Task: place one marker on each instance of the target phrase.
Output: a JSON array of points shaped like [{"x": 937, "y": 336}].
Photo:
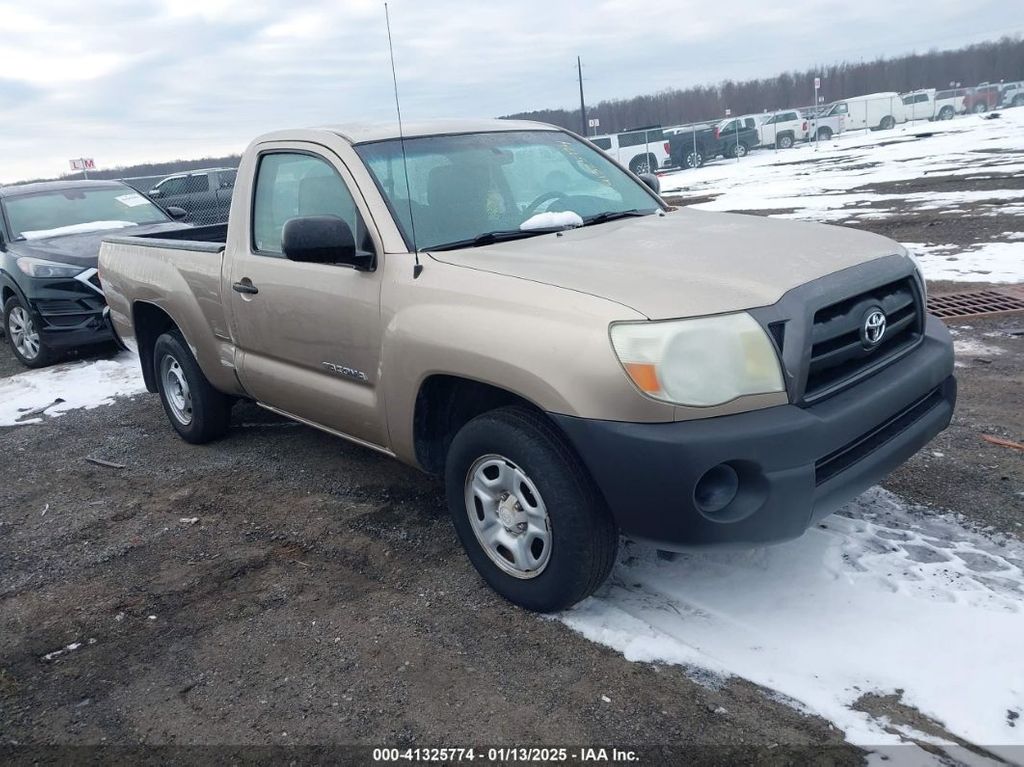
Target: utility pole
[{"x": 583, "y": 106}]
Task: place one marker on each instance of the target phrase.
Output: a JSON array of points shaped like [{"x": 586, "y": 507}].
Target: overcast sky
[{"x": 128, "y": 81}]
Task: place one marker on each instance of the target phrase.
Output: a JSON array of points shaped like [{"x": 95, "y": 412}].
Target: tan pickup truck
[{"x": 501, "y": 304}]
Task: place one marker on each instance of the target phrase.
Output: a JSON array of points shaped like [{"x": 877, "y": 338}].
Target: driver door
[{"x": 308, "y": 335}]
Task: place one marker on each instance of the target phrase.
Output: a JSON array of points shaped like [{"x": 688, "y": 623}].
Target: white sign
[
  {"x": 83, "y": 163},
  {"x": 817, "y": 82},
  {"x": 593, "y": 122},
  {"x": 728, "y": 112}
]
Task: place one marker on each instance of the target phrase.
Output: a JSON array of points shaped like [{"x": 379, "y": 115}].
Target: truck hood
[
  {"x": 685, "y": 263},
  {"x": 81, "y": 249}
]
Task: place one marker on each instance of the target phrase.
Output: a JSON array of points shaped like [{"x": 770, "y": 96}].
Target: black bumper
[
  {"x": 789, "y": 466},
  {"x": 67, "y": 313}
]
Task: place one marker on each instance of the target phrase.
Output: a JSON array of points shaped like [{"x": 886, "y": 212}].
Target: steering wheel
[{"x": 532, "y": 207}]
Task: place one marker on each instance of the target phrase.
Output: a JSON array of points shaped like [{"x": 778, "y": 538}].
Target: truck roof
[
  {"x": 16, "y": 190},
  {"x": 362, "y": 133}
]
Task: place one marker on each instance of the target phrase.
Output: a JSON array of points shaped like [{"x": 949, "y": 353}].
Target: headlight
[
  {"x": 37, "y": 267},
  {"x": 699, "y": 362}
]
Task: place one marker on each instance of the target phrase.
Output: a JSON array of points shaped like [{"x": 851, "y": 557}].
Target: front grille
[
  {"x": 843, "y": 458},
  {"x": 94, "y": 280},
  {"x": 839, "y": 354}
]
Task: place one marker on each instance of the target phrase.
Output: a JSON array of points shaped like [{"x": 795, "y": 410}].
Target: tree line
[{"x": 994, "y": 61}]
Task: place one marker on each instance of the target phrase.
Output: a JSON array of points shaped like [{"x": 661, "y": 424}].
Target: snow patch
[
  {"x": 551, "y": 220},
  {"x": 91, "y": 226},
  {"x": 880, "y": 597},
  {"x": 86, "y": 384}
]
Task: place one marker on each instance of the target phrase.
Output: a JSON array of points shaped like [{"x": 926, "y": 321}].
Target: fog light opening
[{"x": 716, "y": 489}]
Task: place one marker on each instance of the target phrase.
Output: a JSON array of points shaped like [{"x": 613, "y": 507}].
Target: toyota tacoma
[{"x": 502, "y": 305}]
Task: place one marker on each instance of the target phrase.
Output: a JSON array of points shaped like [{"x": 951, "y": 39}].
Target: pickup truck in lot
[
  {"x": 502, "y": 305},
  {"x": 729, "y": 138}
]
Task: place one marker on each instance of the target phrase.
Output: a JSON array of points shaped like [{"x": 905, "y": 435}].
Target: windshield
[
  {"x": 68, "y": 211},
  {"x": 469, "y": 185}
]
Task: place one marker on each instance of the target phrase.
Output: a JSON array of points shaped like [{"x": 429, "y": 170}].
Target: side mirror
[
  {"x": 322, "y": 240},
  {"x": 176, "y": 213},
  {"x": 154, "y": 193},
  {"x": 652, "y": 181}
]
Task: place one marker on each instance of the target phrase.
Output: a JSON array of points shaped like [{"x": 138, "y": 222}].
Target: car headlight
[
  {"x": 37, "y": 267},
  {"x": 699, "y": 362}
]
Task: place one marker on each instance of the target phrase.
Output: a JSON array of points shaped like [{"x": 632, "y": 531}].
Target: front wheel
[
  {"x": 643, "y": 164},
  {"x": 824, "y": 134},
  {"x": 946, "y": 113},
  {"x": 785, "y": 141},
  {"x": 23, "y": 335},
  {"x": 740, "y": 150},
  {"x": 526, "y": 511},
  {"x": 888, "y": 123},
  {"x": 980, "y": 107},
  {"x": 197, "y": 411},
  {"x": 694, "y": 159}
]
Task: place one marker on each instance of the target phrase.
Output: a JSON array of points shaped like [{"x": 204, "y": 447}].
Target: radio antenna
[{"x": 417, "y": 268}]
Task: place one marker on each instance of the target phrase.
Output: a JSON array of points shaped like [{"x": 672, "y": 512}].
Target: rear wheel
[
  {"x": 946, "y": 113},
  {"x": 1018, "y": 100},
  {"x": 694, "y": 158},
  {"x": 23, "y": 334},
  {"x": 980, "y": 107},
  {"x": 526, "y": 511},
  {"x": 644, "y": 163},
  {"x": 785, "y": 141},
  {"x": 197, "y": 411}
]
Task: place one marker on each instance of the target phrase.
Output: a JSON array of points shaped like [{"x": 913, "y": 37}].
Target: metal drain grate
[{"x": 981, "y": 302}]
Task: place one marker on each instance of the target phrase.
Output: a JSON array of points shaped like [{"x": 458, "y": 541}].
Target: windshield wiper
[
  {"x": 489, "y": 238},
  {"x": 614, "y": 215}
]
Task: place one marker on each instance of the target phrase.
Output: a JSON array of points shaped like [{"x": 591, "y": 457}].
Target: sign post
[
  {"x": 817, "y": 84},
  {"x": 84, "y": 164}
]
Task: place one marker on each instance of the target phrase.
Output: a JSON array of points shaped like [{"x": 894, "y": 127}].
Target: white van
[
  {"x": 642, "y": 151},
  {"x": 876, "y": 111}
]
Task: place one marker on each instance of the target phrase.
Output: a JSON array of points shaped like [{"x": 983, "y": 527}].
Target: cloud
[{"x": 131, "y": 80}]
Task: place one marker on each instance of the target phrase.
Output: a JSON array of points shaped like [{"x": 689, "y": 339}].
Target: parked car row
[{"x": 644, "y": 150}]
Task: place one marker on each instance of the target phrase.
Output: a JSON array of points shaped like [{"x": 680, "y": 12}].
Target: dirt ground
[{"x": 284, "y": 587}]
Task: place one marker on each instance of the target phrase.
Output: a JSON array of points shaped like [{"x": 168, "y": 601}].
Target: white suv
[
  {"x": 783, "y": 129},
  {"x": 642, "y": 151}
]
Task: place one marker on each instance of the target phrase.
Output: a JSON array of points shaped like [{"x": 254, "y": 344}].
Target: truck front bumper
[{"x": 767, "y": 475}]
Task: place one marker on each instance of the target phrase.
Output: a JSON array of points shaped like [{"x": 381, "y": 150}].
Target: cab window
[{"x": 291, "y": 184}]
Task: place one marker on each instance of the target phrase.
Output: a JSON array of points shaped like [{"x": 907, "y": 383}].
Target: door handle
[{"x": 245, "y": 286}]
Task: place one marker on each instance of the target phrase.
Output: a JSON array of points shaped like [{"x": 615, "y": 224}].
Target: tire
[
  {"x": 824, "y": 134},
  {"x": 980, "y": 107},
  {"x": 694, "y": 158},
  {"x": 644, "y": 163},
  {"x": 23, "y": 336},
  {"x": 197, "y": 411},
  {"x": 1018, "y": 100},
  {"x": 946, "y": 113},
  {"x": 888, "y": 123},
  {"x": 565, "y": 548},
  {"x": 785, "y": 141},
  {"x": 740, "y": 150}
]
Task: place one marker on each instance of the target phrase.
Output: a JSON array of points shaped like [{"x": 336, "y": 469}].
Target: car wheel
[
  {"x": 1018, "y": 100},
  {"x": 23, "y": 335},
  {"x": 527, "y": 513},
  {"x": 641, "y": 164},
  {"x": 740, "y": 150},
  {"x": 785, "y": 141},
  {"x": 824, "y": 134},
  {"x": 888, "y": 123},
  {"x": 197, "y": 411},
  {"x": 980, "y": 107},
  {"x": 694, "y": 158},
  {"x": 946, "y": 113}
]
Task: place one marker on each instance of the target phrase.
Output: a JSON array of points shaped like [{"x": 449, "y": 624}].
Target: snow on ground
[
  {"x": 827, "y": 184},
  {"x": 85, "y": 384},
  {"x": 880, "y": 598}
]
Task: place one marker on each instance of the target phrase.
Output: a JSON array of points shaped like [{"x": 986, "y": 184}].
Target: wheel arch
[
  {"x": 150, "y": 322},
  {"x": 445, "y": 403}
]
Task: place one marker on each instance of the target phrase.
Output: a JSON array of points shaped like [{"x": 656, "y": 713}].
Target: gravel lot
[{"x": 284, "y": 587}]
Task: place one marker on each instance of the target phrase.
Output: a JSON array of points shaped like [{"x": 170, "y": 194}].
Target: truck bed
[{"x": 208, "y": 239}]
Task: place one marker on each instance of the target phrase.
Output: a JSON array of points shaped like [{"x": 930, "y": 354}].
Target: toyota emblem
[{"x": 874, "y": 327}]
